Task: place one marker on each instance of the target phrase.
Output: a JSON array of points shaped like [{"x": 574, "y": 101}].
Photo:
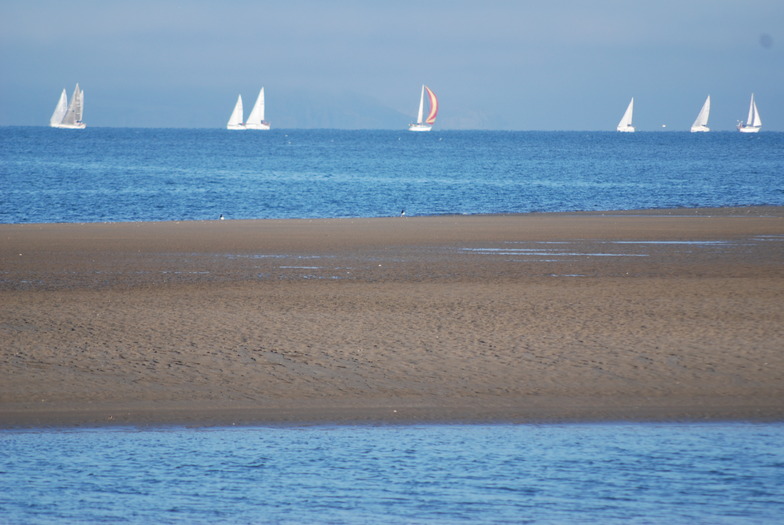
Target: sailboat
[
  {"x": 69, "y": 116},
  {"x": 701, "y": 123},
  {"x": 235, "y": 120},
  {"x": 427, "y": 124},
  {"x": 625, "y": 124},
  {"x": 256, "y": 117},
  {"x": 753, "y": 122}
]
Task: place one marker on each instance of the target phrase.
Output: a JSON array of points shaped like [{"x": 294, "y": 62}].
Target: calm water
[
  {"x": 586, "y": 473},
  {"x": 114, "y": 174}
]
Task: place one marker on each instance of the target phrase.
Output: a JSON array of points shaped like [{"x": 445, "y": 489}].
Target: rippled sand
[{"x": 674, "y": 314}]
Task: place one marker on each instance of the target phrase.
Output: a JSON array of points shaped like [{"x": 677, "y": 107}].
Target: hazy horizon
[{"x": 508, "y": 65}]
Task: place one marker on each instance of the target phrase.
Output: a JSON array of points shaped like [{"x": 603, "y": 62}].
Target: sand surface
[{"x": 663, "y": 315}]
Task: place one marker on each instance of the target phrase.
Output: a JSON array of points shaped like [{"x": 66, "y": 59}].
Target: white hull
[
  {"x": 700, "y": 129},
  {"x": 263, "y": 126},
  {"x": 235, "y": 126},
  {"x": 626, "y": 129},
  {"x": 78, "y": 125},
  {"x": 419, "y": 127},
  {"x": 749, "y": 129}
]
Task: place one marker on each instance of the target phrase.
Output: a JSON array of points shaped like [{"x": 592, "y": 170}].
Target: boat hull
[
  {"x": 700, "y": 129},
  {"x": 235, "y": 126},
  {"x": 419, "y": 127},
  {"x": 749, "y": 129},
  {"x": 262, "y": 126},
  {"x": 626, "y": 129},
  {"x": 78, "y": 125}
]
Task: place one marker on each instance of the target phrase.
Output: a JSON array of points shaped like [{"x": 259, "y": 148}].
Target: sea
[
  {"x": 127, "y": 174},
  {"x": 608, "y": 472}
]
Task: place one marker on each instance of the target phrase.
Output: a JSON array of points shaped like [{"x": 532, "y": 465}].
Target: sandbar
[{"x": 634, "y": 316}]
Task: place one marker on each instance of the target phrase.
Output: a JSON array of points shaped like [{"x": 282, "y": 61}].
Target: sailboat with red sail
[{"x": 427, "y": 123}]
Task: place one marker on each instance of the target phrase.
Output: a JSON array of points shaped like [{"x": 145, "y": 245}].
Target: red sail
[{"x": 431, "y": 117}]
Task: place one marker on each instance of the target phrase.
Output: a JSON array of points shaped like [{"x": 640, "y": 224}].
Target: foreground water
[
  {"x": 586, "y": 473},
  {"x": 115, "y": 174}
]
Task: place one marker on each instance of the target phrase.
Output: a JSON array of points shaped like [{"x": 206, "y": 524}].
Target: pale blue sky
[{"x": 557, "y": 64}]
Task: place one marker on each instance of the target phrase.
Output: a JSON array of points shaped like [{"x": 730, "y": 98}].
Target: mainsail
[
  {"x": 701, "y": 122},
  {"x": 754, "y": 117},
  {"x": 74, "y": 113},
  {"x": 421, "y": 106}
]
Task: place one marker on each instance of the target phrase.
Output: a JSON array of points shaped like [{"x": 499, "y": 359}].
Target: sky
[{"x": 494, "y": 64}]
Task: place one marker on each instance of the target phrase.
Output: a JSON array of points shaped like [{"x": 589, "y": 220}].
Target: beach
[{"x": 645, "y": 315}]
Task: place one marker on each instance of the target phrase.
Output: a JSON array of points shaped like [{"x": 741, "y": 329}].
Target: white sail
[
  {"x": 235, "y": 120},
  {"x": 625, "y": 124},
  {"x": 701, "y": 122},
  {"x": 752, "y": 112},
  {"x": 74, "y": 109},
  {"x": 59, "y": 110},
  {"x": 72, "y": 119},
  {"x": 753, "y": 121},
  {"x": 421, "y": 105},
  {"x": 80, "y": 108},
  {"x": 256, "y": 117}
]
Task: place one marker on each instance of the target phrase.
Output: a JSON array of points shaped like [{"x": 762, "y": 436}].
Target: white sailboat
[
  {"x": 701, "y": 122},
  {"x": 427, "y": 124},
  {"x": 256, "y": 117},
  {"x": 69, "y": 116},
  {"x": 625, "y": 125},
  {"x": 753, "y": 121},
  {"x": 235, "y": 120}
]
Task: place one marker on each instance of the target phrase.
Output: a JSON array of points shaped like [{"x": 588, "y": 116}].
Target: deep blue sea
[
  {"x": 575, "y": 473},
  {"x": 611, "y": 473},
  {"x": 117, "y": 174}
]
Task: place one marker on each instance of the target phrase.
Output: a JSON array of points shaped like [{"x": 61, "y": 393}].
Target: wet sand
[{"x": 656, "y": 315}]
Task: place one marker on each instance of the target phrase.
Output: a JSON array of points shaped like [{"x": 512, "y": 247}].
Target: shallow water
[
  {"x": 116, "y": 174},
  {"x": 554, "y": 473}
]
